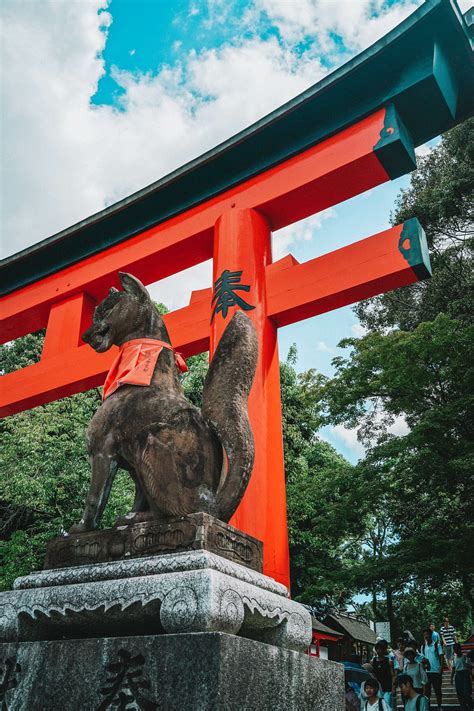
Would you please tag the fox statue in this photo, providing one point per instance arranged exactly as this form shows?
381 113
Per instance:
183 460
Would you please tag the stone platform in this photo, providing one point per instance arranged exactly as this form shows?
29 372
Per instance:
209 671
193 591
198 531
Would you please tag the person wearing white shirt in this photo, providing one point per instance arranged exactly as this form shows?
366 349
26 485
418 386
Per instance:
433 653
448 634
461 671
413 700
371 700
415 669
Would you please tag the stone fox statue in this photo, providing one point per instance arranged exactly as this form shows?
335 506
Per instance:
172 450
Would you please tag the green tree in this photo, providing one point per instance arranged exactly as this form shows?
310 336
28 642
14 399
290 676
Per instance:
440 195
326 507
415 366
45 470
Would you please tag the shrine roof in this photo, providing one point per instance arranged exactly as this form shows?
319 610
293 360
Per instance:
424 67
323 629
357 629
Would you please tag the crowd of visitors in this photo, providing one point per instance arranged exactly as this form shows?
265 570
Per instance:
416 670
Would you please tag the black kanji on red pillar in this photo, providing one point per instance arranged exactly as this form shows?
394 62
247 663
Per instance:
224 294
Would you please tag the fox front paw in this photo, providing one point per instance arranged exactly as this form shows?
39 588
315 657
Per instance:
80 527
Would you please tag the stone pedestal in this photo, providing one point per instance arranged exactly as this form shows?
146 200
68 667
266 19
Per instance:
198 531
194 591
197 672
186 630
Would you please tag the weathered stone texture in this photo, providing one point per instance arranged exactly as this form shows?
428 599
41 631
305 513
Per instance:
192 532
197 672
172 450
194 591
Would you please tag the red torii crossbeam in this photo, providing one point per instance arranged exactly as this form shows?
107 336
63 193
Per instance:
229 215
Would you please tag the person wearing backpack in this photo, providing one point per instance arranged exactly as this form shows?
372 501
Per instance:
413 700
433 653
384 671
370 697
461 672
415 669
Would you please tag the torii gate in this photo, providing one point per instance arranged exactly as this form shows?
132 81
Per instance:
352 131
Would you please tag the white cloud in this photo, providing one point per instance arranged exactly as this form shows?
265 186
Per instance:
51 67
358 23
399 427
358 330
66 158
324 348
302 231
349 438
422 150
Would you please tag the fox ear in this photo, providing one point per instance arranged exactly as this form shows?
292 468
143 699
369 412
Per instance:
134 287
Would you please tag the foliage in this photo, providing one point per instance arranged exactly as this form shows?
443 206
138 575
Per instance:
193 380
414 370
323 511
440 196
45 470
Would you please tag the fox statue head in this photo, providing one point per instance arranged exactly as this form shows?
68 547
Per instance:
124 315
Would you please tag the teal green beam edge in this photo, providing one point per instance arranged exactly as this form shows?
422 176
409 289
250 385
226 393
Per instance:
395 148
414 248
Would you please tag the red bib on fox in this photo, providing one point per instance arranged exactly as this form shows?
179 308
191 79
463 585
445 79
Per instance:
135 363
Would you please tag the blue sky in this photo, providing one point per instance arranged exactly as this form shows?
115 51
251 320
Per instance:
102 98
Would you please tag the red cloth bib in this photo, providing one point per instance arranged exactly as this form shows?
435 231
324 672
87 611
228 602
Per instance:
135 364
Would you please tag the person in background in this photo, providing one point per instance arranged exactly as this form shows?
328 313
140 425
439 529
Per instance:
415 669
448 634
433 653
371 697
413 700
435 635
351 699
398 661
398 655
410 641
462 673
384 671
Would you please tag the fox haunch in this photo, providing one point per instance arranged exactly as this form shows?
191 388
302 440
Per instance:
172 450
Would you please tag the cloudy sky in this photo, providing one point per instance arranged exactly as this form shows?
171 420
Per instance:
102 98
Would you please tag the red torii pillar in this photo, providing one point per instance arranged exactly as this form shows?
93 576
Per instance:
242 242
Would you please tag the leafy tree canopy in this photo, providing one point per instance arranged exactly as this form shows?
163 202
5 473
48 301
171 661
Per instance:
440 195
414 369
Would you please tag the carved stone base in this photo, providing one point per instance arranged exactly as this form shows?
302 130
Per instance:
194 532
197 672
195 591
